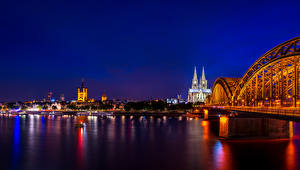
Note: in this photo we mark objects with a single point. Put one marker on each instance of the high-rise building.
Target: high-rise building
(198, 92)
(82, 93)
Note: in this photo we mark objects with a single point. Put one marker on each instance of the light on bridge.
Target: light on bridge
(205, 114)
(204, 123)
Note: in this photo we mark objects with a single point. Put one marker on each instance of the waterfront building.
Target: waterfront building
(172, 101)
(104, 97)
(82, 93)
(91, 100)
(199, 90)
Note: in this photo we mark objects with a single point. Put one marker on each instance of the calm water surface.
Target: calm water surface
(50, 142)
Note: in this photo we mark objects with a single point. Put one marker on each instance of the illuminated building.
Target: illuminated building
(104, 97)
(62, 97)
(198, 92)
(82, 93)
(172, 101)
(91, 100)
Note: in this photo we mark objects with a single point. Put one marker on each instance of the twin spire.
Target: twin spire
(203, 75)
(195, 84)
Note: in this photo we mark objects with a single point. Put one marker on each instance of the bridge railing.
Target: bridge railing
(267, 110)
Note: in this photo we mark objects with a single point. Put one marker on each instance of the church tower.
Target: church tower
(203, 81)
(104, 97)
(195, 80)
(198, 92)
(82, 93)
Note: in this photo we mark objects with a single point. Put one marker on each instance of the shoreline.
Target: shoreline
(100, 113)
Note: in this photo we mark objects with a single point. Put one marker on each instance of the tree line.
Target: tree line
(156, 106)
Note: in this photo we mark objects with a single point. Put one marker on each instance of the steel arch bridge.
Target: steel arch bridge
(273, 80)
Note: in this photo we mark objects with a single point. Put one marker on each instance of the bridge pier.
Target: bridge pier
(256, 128)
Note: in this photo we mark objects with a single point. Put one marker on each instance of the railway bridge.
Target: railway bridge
(272, 81)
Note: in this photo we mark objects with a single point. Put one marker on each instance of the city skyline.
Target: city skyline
(149, 84)
(137, 50)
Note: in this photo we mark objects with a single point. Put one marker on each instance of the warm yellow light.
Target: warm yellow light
(204, 123)
(205, 114)
(291, 129)
(223, 119)
(223, 129)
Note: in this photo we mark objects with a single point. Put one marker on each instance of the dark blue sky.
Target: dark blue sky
(133, 49)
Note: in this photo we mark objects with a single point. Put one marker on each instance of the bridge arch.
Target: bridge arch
(222, 91)
(272, 80)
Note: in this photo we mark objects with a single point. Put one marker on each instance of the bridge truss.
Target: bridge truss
(273, 80)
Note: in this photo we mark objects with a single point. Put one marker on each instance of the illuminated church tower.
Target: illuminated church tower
(203, 81)
(104, 97)
(82, 93)
(195, 80)
(198, 92)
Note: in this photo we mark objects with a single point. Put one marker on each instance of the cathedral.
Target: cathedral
(199, 91)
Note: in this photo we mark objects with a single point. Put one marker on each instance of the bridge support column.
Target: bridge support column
(271, 86)
(295, 81)
(256, 90)
(263, 88)
(281, 93)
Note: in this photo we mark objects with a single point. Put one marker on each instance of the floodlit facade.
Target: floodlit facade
(82, 93)
(199, 90)
(104, 97)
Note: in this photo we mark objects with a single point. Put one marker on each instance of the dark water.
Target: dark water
(36, 142)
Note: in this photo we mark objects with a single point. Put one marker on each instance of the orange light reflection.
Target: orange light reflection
(80, 148)
(291, 161)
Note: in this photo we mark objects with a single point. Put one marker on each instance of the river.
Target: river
(52, 142)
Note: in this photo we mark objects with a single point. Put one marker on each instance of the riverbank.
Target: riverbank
(149, 113)
(101, 113)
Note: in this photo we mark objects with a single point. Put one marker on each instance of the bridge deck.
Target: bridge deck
(288, 111)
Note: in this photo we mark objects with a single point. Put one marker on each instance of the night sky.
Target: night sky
(133, 49)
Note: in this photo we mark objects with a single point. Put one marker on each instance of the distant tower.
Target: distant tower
(50, 96)
(62, 97)
(195, 80)
(104, 97)
(82, 93)
(203, 81)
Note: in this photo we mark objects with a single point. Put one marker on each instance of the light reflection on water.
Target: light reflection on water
(53, 142)
(222, 156)
(80, 148)
(16, 143)
(291, 162)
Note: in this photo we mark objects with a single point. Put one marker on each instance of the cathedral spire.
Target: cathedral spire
(203, 74)
(195, 80)
(82, 84)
